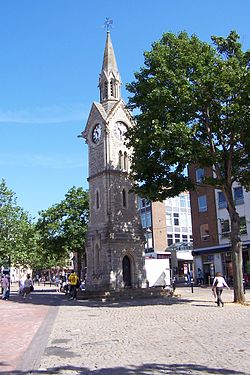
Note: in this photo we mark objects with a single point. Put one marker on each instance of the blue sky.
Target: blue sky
(51, 57)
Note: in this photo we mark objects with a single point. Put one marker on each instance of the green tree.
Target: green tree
(193, 109)
(62, 228)
(16, 230)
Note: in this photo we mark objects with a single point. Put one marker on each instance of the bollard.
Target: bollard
(209, 281)
(192, 285)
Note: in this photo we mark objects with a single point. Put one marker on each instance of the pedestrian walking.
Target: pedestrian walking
(57, 282)
(200, 278)
(73, 282)
(28, 287)
(5, 282)
(21, 285)
(218, 284)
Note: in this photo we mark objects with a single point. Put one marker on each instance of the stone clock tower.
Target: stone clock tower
(115, 240)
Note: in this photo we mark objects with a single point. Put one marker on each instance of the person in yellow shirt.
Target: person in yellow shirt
(73, 282)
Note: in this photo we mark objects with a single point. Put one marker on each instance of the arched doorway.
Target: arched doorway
(126, 271)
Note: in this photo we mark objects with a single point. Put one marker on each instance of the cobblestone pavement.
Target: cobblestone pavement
(183, 335)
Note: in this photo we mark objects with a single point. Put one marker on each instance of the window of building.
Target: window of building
(148, 219)
(125, 164)
(202, 203)
(200, 174)
(176, 218)
(204, 231)
(177, 238)
(170, 239)
(124, 198)
(238, 195)
(112, 87)
(143, 220)
(184, 238)
(243, 225)
(168, 219)
(182, 200)
(222, 203)
(97, 202)
(225, 228)
(120, 160)
(105, 90)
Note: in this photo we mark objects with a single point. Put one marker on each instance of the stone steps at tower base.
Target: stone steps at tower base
(124, 294)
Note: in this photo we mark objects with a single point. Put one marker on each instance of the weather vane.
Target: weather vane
(108, 23)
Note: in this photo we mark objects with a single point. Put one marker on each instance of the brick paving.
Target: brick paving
(183, 335)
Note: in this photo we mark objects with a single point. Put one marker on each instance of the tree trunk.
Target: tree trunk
(239, 296)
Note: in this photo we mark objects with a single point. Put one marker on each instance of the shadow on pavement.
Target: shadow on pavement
(147, 369)
(58, 299)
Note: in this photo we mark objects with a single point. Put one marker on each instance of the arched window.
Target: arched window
(120, 160)
(112, 87)
(105, 90)
(125, 161)
(97, 202)
(124, 198)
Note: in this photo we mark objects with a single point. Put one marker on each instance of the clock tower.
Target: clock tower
(115, 239)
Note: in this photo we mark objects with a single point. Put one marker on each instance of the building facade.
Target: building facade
(168, 228)
(211, 228)
(166, 223)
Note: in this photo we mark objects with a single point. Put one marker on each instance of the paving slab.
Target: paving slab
(182, 335)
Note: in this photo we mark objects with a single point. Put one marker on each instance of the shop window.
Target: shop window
(222, 203)
(238, 195)
(202, 203)
(204, 231)
(200, 174)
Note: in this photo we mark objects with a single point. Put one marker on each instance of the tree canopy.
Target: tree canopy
(62, 227)
(60, 230)
(193, 108)
(193, 101)
(17, 234)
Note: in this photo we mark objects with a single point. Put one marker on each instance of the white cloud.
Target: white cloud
(44, 115)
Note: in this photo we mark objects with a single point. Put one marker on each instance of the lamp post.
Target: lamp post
(148, 232)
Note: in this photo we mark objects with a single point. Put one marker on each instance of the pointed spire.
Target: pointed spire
(109, 61)
(109, 81)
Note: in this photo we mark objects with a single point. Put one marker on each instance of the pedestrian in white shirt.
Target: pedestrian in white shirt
(28, 287)
(5, 285)
(218, 284)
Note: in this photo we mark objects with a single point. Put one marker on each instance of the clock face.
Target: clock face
(120, 129)
(96, 133)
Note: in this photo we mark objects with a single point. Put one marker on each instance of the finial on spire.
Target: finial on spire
(108, 23)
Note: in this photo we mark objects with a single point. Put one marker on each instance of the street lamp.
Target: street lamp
(148, 232)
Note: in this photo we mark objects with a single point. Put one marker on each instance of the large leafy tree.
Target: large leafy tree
(193, 109)
(62, 227)
(17, 234)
